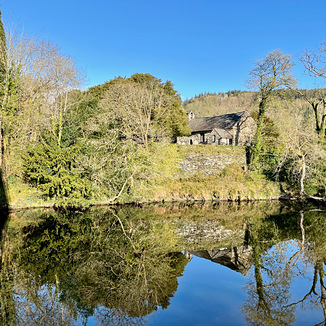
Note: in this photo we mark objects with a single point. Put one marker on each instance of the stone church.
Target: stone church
(227, 129)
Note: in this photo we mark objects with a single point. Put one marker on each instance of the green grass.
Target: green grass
(22, 195)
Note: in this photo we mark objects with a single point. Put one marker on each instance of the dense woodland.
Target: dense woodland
(65, 145)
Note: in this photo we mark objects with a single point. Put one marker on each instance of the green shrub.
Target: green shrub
(52, 169)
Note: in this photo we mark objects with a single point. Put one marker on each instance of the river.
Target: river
(201, 264)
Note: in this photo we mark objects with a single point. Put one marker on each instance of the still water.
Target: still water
(227, 264)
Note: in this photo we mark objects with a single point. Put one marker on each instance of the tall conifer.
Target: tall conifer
(3, 51)
(3, 87)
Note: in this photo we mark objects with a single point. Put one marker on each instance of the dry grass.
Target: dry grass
(165, 181)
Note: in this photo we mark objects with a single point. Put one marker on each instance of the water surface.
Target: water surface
(224, 264)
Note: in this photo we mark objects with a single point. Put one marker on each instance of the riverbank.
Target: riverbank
(177, 173)
(232, 184)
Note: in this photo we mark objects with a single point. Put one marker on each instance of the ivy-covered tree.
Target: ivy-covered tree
(3, 51)
(3, 81)
(10, 73)
(269, 74)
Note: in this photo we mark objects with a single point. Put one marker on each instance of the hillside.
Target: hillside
(212, 104)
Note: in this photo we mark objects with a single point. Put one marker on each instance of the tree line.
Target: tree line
(74, 145)
(70, 143)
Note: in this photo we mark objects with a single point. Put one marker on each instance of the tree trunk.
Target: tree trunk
(322, 125)
(303, 175)
(258, 139)
(315, 108)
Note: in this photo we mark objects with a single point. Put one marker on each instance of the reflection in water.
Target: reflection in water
(275, 269)
(3, 205)
(118, 266)
(107, 259)
(238, 259)
(7, 305)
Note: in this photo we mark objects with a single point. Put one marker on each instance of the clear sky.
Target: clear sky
(200, 45)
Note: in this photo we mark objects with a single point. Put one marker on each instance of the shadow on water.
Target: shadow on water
(4, 209)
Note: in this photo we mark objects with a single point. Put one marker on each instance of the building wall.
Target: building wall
(244, 131)
(189, 140)
(215, 138)
(241, 134)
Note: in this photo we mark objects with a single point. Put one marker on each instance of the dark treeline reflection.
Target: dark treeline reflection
(121, 264)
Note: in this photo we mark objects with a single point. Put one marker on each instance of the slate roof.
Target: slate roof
(225, 121)
(223, 133)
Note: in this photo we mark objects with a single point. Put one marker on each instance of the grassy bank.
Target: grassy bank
(231, 184)
(163, 179)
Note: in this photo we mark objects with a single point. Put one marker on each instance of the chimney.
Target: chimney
(191, 115)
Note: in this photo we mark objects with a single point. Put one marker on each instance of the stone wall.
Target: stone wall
(212, 163)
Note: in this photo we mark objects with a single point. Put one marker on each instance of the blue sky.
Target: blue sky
(201, 46)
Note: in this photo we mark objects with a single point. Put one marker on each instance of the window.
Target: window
(230, 141)
(202, 138)
(214, 138)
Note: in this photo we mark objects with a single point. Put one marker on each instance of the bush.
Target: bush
(52, 169)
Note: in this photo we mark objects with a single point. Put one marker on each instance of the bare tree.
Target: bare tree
(315, 63)
(269, 74)
(131, 108)
(43, 77)
(302, 154)
(315, 66)
(46, 73)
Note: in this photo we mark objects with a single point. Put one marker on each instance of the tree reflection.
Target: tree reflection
(7, 283)
(7, 275)
(72, 264)
(119, 265)
(269, 301)
(315, 253)
(267, 290)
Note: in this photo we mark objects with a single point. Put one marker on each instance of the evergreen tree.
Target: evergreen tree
(9, 99)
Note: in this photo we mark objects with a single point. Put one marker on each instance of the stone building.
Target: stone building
(227, 129)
